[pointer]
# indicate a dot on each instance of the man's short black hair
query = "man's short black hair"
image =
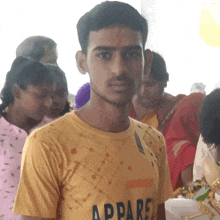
(109, 14)
(210, 118)
(158, 69)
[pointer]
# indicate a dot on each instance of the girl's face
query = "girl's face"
(59, 100)
(35, 101)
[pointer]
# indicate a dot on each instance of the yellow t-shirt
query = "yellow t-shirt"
(74, 171)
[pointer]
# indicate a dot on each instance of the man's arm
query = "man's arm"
(35, 218)
(161, 212)
(39, 181)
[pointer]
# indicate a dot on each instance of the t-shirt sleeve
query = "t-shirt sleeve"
(165, 188)
(38, 192)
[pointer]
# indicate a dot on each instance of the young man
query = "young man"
(97, 163)
(175, 117)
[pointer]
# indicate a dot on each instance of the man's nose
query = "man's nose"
(119, 66)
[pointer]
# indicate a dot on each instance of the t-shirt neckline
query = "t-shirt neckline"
(96, 131)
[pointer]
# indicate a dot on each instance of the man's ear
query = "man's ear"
(81, 62)
(148, 56)
(16, 91)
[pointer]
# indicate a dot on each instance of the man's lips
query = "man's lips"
(120, 84)
(121, 87)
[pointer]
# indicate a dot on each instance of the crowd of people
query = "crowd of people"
(126, 145)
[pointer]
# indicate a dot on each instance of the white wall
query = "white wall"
(174, 33)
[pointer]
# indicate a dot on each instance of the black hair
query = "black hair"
(109, 14)
(210, 117)
(33, 47)
(158, 70)
(66, 109)
(23, 73)
(59, 76)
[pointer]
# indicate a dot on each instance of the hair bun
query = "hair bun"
(18, 61)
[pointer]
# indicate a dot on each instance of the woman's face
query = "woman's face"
(59, 100)
(35, 101)
(151, 90)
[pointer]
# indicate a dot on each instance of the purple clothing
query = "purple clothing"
(82, 96)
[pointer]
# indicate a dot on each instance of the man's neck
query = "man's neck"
(15, 117)
(105, 116)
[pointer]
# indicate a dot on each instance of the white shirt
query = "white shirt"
(203, 151)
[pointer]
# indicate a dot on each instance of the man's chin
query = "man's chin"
(120, 101)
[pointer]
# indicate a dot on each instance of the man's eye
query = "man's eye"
(132, 54)
(105, 55)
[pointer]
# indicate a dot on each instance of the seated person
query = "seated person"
(176, 117)
(25, 101)
(209, 140)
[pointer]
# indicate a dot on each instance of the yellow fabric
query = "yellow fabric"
(151, 119)
(74, 171)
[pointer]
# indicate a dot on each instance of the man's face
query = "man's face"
(115, 63)
(50, 55)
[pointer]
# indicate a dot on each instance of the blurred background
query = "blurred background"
(186, 33)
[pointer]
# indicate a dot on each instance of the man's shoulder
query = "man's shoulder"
(58, 127)
(152, 138)
(147, 130)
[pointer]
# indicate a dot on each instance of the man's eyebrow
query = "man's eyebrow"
(109, 48)
(132, 47)
(105, 48)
